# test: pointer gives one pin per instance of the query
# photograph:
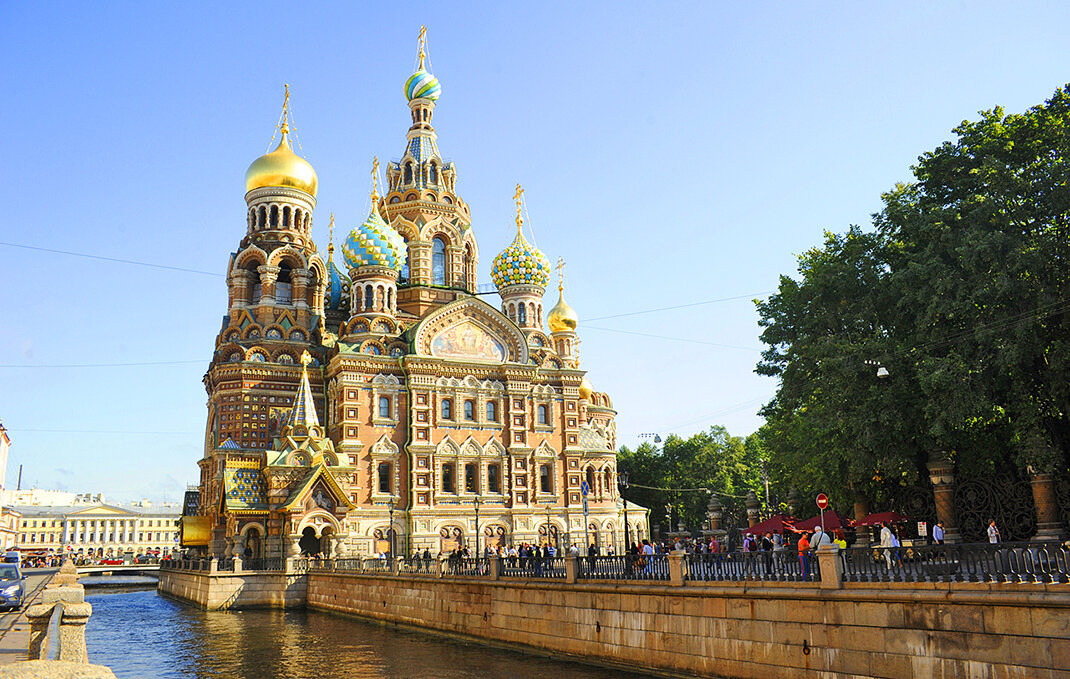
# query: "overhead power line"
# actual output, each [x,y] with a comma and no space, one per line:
[95,365]
[669,337]
[682,306]
[111,259]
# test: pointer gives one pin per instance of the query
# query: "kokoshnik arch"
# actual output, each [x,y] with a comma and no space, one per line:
[341,399]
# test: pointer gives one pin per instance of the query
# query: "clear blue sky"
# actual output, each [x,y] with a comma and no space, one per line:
[671,153]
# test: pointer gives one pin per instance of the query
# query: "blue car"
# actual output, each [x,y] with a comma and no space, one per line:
[11,589]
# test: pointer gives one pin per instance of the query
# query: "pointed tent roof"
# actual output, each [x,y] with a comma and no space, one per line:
[303,412]
[301,492]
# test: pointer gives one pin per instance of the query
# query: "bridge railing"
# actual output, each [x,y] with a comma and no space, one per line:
[534,567]
[264,563]
[1012,562]
[624,567]
[771,566]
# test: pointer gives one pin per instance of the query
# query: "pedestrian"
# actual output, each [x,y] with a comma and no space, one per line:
[887,542]
[804,555]
[993,532]
[938,533]
[820,538]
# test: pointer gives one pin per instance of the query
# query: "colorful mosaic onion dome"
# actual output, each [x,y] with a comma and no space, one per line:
[520,264]
[374,243]
[562,318]
[586,389]
[282,167]
[337,287]
[422,85]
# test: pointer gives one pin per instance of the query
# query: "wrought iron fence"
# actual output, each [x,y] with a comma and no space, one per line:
[418,566]
[1034,562]
[552,567]
[467,566]
[624,567]
[374,565]
[776,566]
[225,565]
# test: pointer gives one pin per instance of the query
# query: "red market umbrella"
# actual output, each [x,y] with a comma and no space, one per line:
[883,517]
[833,521]
[777,523]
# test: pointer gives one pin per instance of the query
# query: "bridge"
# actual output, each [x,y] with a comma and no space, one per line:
[149,569]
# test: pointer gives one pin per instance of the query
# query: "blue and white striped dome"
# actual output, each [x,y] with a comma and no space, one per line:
[422,85]
[337,288]
[374,243]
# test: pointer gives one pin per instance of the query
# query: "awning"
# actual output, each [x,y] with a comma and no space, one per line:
[196,531]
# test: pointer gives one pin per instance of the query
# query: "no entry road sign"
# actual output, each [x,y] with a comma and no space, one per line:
[822,501]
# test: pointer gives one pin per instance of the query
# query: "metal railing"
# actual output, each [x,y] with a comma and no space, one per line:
[1015,562]
[774,566]
[263,563]
[225,565]
[468,566]
[552,567]
[624,567]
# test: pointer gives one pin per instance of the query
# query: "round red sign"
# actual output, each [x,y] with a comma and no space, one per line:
[822,501]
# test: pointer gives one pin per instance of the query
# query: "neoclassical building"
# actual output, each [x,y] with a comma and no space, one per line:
[373,401]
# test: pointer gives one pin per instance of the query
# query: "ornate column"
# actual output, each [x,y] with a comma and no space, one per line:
[716,512]
[236,287]
[942,476]
[1049,523]
[268,276]
[753,509]
[339,547]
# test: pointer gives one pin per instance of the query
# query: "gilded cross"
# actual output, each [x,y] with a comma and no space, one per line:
[330,237]
[423,45]
[560,273]
[375,178]
[518,197]
[286,110]
[305,358]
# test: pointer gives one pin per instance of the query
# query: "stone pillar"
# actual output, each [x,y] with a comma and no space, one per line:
[828,558]
[572,569]
[715,511]
[495,568]
[229,551]
[942,476]
[339,547]
[677,566]
[76,613]
[753,509]
[268,276]
[1049,523]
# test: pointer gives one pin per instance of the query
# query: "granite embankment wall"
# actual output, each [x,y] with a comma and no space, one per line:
[235,590]
[956,631]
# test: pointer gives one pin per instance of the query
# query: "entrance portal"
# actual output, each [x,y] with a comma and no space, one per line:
[309,543]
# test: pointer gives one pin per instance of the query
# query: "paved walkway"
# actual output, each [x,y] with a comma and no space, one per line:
[14,627]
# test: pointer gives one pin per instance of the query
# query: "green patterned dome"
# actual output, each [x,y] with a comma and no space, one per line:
[520,264]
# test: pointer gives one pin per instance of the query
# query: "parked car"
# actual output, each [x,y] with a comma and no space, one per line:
[11,589]
[112,562]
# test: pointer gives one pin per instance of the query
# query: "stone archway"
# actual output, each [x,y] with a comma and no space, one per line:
[254,543]
[450,538]
[309,542]
[326,538]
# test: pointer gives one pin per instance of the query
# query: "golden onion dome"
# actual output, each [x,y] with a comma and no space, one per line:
[562,317]
[282,167]
[586,389]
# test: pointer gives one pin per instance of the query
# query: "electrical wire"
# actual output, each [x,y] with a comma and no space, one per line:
[667,337]
[97,365]
[111,259]
[683,306]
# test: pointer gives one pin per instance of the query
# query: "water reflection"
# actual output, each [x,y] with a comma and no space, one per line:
[140,634]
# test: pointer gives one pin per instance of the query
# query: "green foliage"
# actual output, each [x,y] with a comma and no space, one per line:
[962,292]
[715,460]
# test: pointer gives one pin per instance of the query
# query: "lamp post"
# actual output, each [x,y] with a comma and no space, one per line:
[622,481]
[548,505]
[475,503]
[390,529]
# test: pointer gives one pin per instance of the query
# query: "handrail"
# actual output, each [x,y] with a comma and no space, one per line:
[52,646]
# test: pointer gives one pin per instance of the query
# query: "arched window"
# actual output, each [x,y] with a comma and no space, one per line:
[590,480]
[390,299]
[384,477]
[544,415]
[469,262]
[369,298]
[434,174]
[438,261]
[253,284]
[408,173]
[286,216]
[494,484]
[262,222]
[384,407]
[447,409]
[544,479]
[274,215]
[470,410]
[471,478]
[521,315]
[492,411]
[298,222]
[284,286]
[403,275]
[447,478]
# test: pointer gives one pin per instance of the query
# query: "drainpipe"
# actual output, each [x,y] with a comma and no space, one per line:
[408,456]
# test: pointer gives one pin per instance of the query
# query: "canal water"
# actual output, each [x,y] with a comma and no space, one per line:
[139,634]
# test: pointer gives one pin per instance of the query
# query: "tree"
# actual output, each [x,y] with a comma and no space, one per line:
[961,292]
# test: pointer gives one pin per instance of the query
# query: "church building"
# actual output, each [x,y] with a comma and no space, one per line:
[372,401]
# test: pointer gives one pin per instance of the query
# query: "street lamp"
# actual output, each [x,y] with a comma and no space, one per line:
[475,503]
[622,481]
[548,505]
[390,530]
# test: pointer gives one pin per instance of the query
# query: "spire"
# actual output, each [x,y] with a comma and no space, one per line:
[330,239]
[519,198]
[284,126]
[303,412]
[375,182]
[423,47]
